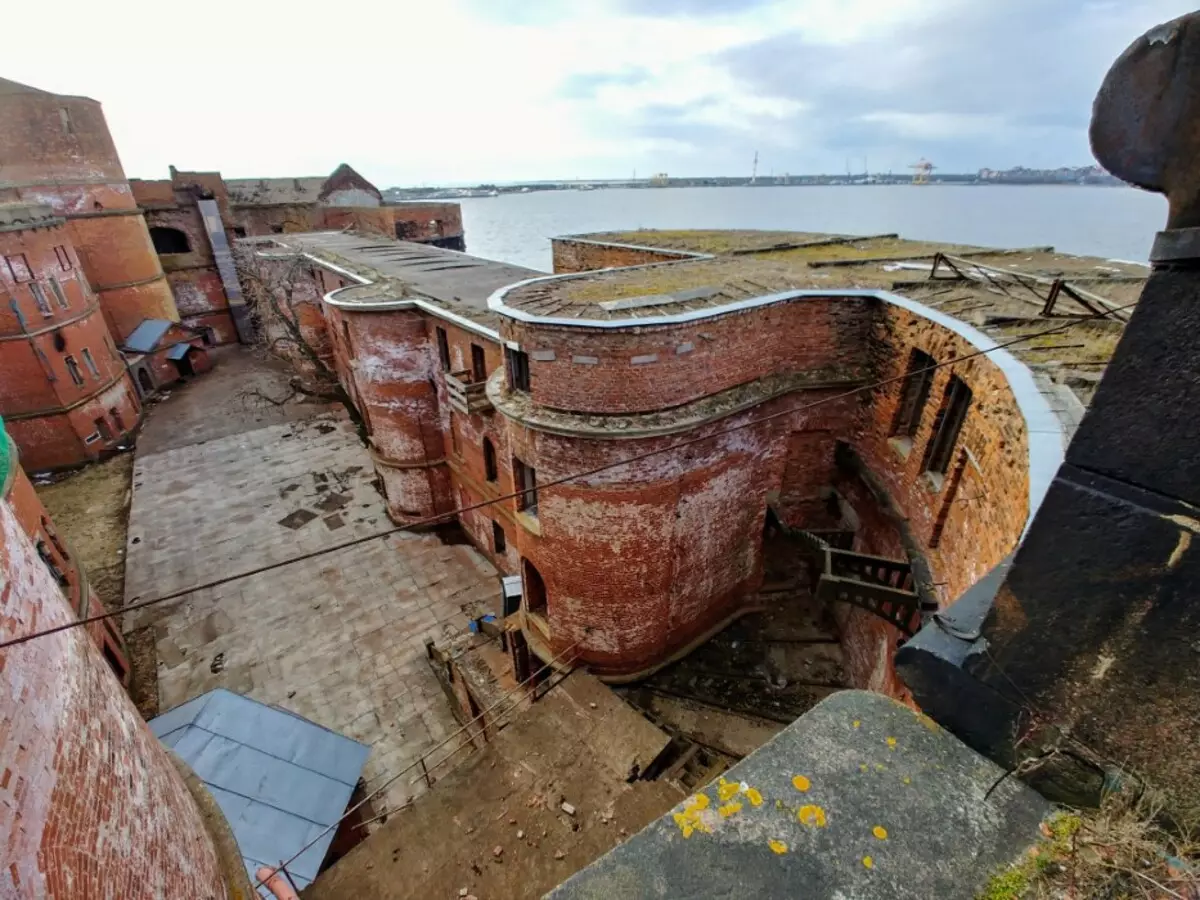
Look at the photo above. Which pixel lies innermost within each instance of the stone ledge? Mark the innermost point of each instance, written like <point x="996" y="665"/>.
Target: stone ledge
<point x="520" y="407"/>
<point x="860" y="797"/>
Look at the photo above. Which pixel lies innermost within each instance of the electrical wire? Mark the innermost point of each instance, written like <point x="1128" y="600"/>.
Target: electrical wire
<point x="505" y="696"/>
<point x="586" y="473"/>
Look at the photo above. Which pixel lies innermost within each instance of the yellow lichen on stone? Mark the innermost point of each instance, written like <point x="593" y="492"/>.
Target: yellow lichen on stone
<point x="880" y="832"/>
<point x="729" y="809"/>
<point x="726" y="790"/>
<point x="891" y="742"/>
<point x="812" y="815"/>
<point x="868" y="862"/>
<point x="753" y="795"/>
<point x="689" y="819"/>
<point x="800" y="783"/>
<point x="777" y="846"/>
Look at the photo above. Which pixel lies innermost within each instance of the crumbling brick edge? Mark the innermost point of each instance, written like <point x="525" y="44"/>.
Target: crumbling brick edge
<point x="229" y="856"/>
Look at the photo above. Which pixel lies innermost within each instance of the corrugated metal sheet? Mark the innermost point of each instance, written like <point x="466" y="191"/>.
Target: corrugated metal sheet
<point x="147" y="335"/>
<point x="278" y="778"/>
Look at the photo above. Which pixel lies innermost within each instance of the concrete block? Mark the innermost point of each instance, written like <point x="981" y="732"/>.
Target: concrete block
<point x="860" y="797"/>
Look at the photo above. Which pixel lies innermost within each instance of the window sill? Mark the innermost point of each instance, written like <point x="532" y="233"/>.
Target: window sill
<point x="934" y="481"/>
<point x="529" y="523"/>
<point x="901" y="445"/>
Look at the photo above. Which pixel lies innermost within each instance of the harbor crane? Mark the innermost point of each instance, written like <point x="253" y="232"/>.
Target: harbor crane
<point x="922" y="170"/>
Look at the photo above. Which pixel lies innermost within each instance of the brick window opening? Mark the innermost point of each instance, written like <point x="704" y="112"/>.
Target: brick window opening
<point x="114" y="662"/>
<point x="490" y="470"/>
<point x="239" y="231"/>
<point x="914" y="394"/>
<point x="104" y="429"/>
<point x="117" y="418"/>
<point x="18" y="267"/>
<point x="89" y="362"/>
<point x="58" y="293"/>
<point x="946" y="427"/>
<point x="73" y="370"/>
<point x="51" y="563"/>
<point x="443" y="345"/>
<point x="346" y="338"/>
<point x="517" y="363"/>
<point x="64" y="258"/>
<point x="276" y="229"/>
<point x="454" y="440"/>
<point x="169" y="240"/>
<point x="499" y="543"/>
<point x="39" y="297"/>
<point x="535" y="588"/>
<point x="478" y="364"/>
<point x="50" y="376"/>
<point x="525" y="479"/>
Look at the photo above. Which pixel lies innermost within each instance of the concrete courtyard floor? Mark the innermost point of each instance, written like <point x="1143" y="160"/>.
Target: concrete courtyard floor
<point x="264" y="501"/>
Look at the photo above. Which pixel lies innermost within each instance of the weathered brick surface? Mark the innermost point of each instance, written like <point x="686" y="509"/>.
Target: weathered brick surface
<point x="57" y="150"/>
<point x="35" y="521"/>
<point x="584" y="256"/>
<point x="653" y="368"/>
<point x="90" y="805"/>
<point x="641" y="560"/>
<point x="50" y="415"/>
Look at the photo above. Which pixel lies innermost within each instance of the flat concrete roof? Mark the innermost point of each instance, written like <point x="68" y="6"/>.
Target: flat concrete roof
<point x="460" y="283"/>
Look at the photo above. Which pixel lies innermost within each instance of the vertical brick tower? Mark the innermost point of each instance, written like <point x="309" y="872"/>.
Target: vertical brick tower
<point x="56" y="150"/>
<point x="64" y="388"/>
<point x="90" y="803"/>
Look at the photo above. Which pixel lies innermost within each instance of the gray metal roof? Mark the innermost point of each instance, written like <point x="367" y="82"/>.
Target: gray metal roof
<point x="278" y="778"/>
<point x="146" y="336"/>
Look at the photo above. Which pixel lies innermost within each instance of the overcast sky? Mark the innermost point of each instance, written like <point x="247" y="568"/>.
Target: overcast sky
<point x="479" y="90"/>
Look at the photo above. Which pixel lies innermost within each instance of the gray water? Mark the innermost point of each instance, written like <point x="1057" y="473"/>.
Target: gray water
<point x="1114" y="223"/>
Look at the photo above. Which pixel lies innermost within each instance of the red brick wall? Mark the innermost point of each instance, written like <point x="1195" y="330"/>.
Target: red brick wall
<point x="678" y="537"/>
<point x="658" y="367"/>
<point x="35" y="521"/>
<point x="73" y="167"/>
<point x="50" y="415"/>
<point x="582" y="256"/>
<point x="90" y="804"/>
<point x="425" y="221"/>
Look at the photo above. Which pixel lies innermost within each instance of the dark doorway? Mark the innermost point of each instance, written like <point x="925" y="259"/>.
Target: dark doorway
<point x="144" y="381"/>
<point x="169" y="240"/>
<point x="535" y="588"/>
<point x="184" y="365"/>
<point x="478" y="364"/>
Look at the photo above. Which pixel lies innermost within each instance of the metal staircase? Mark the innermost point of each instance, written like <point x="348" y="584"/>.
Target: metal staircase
<point x="883" y="587"/>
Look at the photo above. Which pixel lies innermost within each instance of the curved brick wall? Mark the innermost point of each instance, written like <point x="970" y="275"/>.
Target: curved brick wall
<point x="658" y="367"/>
<point x="392" y="368"/>
<point x="90" y="804"/>
<point x="582" y="256"/>
<point x="57" y="150"/>
<point x="51" y="417"/>
<point x="679" y="542"/>
<point x="677" y="537"/>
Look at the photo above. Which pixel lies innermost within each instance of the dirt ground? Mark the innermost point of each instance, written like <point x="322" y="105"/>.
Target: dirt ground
<point x="91" y="509"/>
<point x="495" y="828"/>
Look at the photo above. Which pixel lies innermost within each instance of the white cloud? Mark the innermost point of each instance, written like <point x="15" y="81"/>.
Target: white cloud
<point x="475" y="90"/>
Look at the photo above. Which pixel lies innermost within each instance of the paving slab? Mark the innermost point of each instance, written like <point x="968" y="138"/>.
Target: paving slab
<point x="334" y="633"/>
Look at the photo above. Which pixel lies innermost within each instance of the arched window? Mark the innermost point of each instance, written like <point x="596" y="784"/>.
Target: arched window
<point x="489" y="460"/>
<point x="535" y="588"/>
<point x="169" y="240"/>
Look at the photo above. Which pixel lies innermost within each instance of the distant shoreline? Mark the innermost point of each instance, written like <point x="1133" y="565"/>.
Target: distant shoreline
<point x="395" y="195"/>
